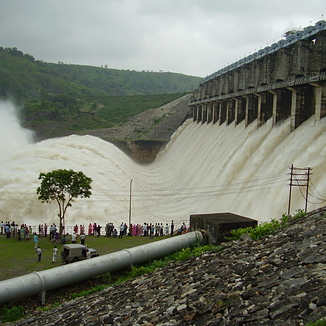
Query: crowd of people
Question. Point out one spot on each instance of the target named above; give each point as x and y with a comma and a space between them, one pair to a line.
147, 229
24, 232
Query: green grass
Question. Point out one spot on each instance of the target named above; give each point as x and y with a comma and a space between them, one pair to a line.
19, 257
320, 322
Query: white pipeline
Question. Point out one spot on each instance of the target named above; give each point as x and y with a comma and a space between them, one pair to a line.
39, 282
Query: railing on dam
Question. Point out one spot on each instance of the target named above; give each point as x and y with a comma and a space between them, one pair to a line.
253, 90
306, 34
287, 81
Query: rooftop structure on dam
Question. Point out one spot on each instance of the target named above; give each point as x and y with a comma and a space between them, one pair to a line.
286, 79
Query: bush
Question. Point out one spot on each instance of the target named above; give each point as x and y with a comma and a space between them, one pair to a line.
11, 314
266, 227
319, 322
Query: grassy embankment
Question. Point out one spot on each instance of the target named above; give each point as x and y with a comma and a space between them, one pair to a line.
19, 257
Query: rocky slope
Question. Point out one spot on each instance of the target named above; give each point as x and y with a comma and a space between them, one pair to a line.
277, 280
153, 124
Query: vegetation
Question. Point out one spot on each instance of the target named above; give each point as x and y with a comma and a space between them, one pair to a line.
11, 314
265, 228
82, 97
138, 270
63, 186
320, 322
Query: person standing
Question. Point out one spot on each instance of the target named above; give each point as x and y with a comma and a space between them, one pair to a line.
39, 254
122, 228
74, 238
167, 229
172, 228
82, 238
45, 230
54, 254
35, 241
7, 230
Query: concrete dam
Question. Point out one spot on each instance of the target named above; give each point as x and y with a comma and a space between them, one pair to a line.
284, 80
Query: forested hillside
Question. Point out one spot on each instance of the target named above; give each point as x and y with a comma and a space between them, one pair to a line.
74, 97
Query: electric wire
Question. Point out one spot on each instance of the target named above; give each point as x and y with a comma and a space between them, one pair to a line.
303, 194
208, 191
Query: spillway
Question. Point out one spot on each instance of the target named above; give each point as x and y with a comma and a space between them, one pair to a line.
205, 168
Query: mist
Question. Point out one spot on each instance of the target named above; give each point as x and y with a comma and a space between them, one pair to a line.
12, 135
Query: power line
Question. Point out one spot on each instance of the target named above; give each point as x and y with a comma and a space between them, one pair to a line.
299, 177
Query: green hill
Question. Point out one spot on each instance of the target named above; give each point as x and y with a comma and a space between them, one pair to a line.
75, 97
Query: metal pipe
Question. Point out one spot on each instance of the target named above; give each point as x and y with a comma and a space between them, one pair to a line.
38, 282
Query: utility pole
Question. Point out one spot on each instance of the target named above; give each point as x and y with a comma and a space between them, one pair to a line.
130, 231
299, 177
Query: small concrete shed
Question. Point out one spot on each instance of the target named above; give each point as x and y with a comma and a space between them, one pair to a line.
219, 225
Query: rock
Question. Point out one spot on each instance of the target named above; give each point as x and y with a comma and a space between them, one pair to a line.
276, 280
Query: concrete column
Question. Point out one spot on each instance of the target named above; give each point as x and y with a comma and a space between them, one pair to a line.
228, 108
242, 103
274, 106
236, 110
204, 113
293, 108
319, 111
230, 111
223, 108
209, 112
259, 112
194, 113
198, 109
215, 107
251, 109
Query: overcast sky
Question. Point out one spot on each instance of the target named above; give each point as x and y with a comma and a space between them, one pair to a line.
193, 37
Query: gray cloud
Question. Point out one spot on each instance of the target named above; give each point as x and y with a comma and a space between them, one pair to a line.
194, 37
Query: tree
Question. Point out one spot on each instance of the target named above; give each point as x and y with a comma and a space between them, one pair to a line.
63, 186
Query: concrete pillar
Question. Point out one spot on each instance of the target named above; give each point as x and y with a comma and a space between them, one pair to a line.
319, 100
303, 104
241, 114
266, 106
194, 113
251, 109
209, 112
204, 113
283, 105
259, 111
230, 114
274, 106
215, 112
199, 113
236, 110
223, 108
293, 108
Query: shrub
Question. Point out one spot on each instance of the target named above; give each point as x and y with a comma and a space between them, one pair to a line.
11, 314
266, 227
319, 322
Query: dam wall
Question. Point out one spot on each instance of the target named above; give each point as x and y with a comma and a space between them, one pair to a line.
286, 79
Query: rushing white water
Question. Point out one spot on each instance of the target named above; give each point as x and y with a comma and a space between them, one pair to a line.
203, 169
